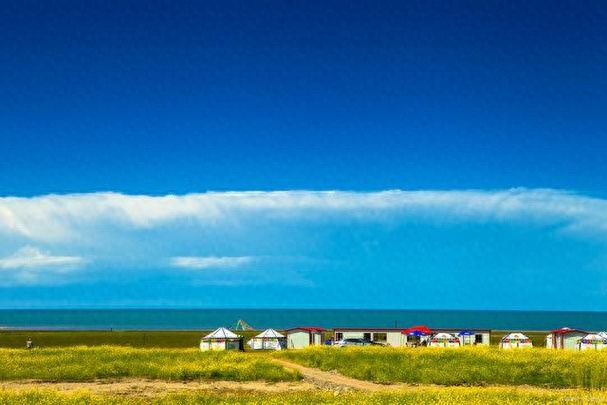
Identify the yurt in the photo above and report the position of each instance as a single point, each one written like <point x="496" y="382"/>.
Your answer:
<point x="221" y="339"/>
<point x="515" y="341"/>
<point x="444" y="340"/>
<point x="269" y="339"/>
<point x="593" y="341"/>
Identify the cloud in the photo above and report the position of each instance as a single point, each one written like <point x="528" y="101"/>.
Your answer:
<point x="72" y="217"/>
<point x="210" y="262"/>
<point x="29" y="257"/>
<point x="135" y="234"/>
<point x="30" y="265"/>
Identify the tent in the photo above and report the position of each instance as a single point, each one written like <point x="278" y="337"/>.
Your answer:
<point x="221" y="339"/>
<point x="241" y="325"/>
<point x="268" y="339"/>
<point x="444" y="340"/>
<point x="515" y="341"/>
<point x="593" y="341"/>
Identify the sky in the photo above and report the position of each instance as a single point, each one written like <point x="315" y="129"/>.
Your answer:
<point x="419" y="154"/>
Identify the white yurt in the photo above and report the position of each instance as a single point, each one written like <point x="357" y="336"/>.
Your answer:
<point x="269" y="339"/>
<point x="549" y="341"/>
<point x="444" y="340"/>
<point x="220" y="339"/>
<point x="593" y="341"/>
<point x="515" y="340"/>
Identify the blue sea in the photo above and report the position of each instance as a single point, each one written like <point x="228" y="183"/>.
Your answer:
<point x="204" y="319"/>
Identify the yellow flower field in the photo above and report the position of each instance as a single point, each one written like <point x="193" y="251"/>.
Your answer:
<point x="437" y="396"/>
<point x="103" y="362"/>
<point x="465" y="366"/>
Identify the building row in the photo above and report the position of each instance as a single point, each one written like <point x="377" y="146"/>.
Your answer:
<point x="301" y="337"/>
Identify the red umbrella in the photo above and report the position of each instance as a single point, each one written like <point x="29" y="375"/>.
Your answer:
<point x="419" y="330"/>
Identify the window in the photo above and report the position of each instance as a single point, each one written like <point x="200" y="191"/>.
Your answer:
<point x="367" y="336"/>
<point x="339" y="336"/>
<point x="380" y="337"/>
<point x="478" y="339"/>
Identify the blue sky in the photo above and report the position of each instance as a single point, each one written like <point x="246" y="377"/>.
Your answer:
<point x="340" y="154"/>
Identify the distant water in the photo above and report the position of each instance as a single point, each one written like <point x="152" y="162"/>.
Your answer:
<point x="202" y="319"/>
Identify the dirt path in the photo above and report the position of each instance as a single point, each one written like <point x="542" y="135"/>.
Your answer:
<point x="314" y="379"/>
<point x="150" y="388"/>
<point x="334" y="380"/>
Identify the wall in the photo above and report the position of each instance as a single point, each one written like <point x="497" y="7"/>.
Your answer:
<point x="298" y="339"/>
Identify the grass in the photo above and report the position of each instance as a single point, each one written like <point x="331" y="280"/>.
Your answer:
<point x="465" y="366"/>
<point x="443" y="396"/>
<point x="169" y="339"/>
<point x="151" y="339"/>
<point x="90" y="363"/>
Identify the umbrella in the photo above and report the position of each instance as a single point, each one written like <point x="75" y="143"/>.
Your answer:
<point x="417" y="331"/>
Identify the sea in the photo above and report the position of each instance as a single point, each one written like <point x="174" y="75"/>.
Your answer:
<point x="205" y="319"/>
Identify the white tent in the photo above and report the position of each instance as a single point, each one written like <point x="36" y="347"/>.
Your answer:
<point x="444" y="340"/>
<point x="220" y="339"/>
<point x="515" y="341"/>
<point x="593" y="341"/>
<point x="269" y="339"/>
<point x="602" y="334"/>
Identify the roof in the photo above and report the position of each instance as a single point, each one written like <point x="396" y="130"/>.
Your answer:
<point x="443" y="335"/>
<point x="448" y="330"/>
<point x="220" y="333"/>
<point x="269" y="334"/>
<point x="308" y="329"/>
<point x="515" y="336"/>
<point x="565" y="330"/>
<point x="369" y="329"/>
<point x="593" y="337"/>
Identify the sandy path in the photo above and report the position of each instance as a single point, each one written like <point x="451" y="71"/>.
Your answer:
<point x="314" y="379"/>
<point x="140" y="387"/>
<point x="325" y="379"/>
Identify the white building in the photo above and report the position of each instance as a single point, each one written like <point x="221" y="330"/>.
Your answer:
<point x="304" y="336"/>
<point x="394" y="336"/>
<point x="385" y="336"/>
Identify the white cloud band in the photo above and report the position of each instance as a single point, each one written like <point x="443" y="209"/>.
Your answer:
<point x="30" y="265"/>
<point x="57" y="218"/>
<point x="210" y="262"/>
